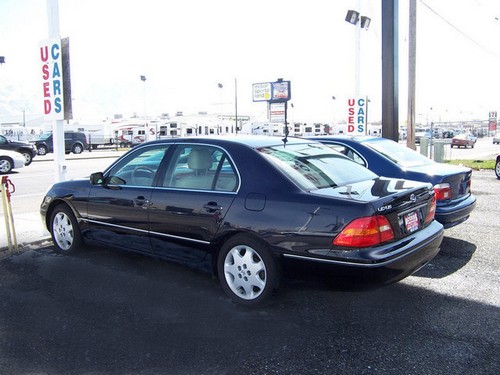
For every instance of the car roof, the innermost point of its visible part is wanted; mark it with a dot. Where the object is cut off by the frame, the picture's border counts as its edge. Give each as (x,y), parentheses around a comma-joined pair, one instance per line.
(253,141)
(355,138)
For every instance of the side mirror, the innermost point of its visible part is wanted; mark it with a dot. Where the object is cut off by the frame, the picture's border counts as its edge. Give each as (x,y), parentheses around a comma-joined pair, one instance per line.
(97,178)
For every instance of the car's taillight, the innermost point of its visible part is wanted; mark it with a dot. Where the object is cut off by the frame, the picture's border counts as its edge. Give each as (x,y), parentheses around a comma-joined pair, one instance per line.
(442,191)
(432,210)
(365,231)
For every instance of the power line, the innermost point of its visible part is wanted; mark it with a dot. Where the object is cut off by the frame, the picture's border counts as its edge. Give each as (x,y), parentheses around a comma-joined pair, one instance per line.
(460,31)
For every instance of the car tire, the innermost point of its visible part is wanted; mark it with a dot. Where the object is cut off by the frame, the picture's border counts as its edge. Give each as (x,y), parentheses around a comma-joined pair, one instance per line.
(247,271)
(65,231)
(77,148)
(42,150)
(27,158)
(6,165)
(497,169)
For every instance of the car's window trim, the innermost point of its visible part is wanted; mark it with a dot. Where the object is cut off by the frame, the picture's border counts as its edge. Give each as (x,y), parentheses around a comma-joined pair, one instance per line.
(166,164)
(169,166)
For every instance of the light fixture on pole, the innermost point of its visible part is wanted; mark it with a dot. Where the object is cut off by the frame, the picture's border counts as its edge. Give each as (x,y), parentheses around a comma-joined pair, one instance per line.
(360,22)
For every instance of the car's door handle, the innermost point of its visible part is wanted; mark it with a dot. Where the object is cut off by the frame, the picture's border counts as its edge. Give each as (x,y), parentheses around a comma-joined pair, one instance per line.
(141,201)
(212,207)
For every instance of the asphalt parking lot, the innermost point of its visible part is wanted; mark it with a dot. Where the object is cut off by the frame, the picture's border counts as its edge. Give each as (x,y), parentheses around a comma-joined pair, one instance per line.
(107,312)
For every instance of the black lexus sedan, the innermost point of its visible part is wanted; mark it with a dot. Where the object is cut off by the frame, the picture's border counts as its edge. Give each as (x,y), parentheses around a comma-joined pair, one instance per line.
(245,205)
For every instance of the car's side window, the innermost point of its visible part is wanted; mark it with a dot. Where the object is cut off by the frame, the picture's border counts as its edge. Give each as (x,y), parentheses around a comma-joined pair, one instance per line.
(200,167)
(139,169)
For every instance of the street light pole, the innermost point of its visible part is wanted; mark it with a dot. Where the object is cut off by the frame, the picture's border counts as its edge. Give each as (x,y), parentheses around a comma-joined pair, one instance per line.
(333,122)
(360,22)
(357,57)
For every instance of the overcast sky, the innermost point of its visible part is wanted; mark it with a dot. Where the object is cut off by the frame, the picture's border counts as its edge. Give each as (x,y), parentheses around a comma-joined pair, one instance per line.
(185,48)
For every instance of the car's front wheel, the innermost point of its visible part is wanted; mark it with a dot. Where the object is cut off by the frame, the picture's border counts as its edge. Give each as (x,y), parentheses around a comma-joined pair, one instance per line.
(497,169)
(65,231)
(6,165)
(247,271)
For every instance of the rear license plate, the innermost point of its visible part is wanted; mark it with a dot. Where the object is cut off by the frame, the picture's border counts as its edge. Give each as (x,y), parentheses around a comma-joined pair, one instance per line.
(411,222)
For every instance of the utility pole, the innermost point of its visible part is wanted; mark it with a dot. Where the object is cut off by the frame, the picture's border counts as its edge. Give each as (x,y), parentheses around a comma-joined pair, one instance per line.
(412,62)
(390,103)
(236,104)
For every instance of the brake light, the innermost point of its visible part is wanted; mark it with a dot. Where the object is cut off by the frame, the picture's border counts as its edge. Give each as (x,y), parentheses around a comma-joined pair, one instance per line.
(432,210)
(365,231)
(442,191)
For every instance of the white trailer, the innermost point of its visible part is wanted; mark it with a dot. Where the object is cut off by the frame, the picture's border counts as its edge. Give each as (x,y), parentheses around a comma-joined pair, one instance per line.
(97,134)
(130,135)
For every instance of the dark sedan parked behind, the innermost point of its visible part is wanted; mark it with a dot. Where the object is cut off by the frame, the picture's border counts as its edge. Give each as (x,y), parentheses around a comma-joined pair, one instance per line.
(26,149)
(452,183)
(242,205)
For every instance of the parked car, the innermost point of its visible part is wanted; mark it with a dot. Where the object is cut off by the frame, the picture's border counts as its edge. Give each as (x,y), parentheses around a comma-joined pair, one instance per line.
(497,167)
(422,134)
(75,142)
(496,139)
(26,149)
(246,206)
(452,183)
(463,140)
(10,160)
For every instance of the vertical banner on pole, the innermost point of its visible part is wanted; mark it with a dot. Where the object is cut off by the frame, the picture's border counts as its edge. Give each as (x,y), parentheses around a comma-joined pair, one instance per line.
(356,116)
(52,79)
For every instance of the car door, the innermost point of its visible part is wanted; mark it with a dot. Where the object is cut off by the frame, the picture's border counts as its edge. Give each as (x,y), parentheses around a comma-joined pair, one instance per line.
(189,205)
(118,208)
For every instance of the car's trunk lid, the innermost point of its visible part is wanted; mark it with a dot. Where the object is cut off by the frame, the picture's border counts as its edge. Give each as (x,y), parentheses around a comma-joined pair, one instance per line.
(405,203)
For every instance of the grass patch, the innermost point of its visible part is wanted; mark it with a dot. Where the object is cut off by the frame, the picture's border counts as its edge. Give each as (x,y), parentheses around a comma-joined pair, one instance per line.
(474,164)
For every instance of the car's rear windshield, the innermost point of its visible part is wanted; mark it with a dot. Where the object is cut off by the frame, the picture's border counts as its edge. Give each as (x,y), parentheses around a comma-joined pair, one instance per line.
(398,153)
(315,166)
(44,136)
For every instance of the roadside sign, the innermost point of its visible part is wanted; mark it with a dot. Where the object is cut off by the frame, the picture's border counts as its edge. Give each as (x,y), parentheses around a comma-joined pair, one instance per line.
(277,112)
(281,91)
(261,92)
(492,126)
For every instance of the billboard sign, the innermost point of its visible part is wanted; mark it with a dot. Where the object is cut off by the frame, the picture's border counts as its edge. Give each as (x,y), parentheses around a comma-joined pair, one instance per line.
(281,91)
(261,92)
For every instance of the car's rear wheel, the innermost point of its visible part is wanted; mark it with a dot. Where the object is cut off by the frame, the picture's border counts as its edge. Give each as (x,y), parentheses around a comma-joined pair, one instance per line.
(77,149)
(65,231)
(247,271)
(42,150)
(497,169)
(6,165)
(27,158)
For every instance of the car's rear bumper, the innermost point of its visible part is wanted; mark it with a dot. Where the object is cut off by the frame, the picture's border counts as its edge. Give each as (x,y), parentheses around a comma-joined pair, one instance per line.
(455,214)
(385,264)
